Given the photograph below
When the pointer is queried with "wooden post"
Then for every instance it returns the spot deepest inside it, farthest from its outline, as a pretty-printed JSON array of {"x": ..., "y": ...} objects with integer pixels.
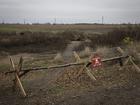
[
  {"x": 77, "y": 57},
  {"x": 20, "y": 85},
  {"x": 17, "y": 81},
  {"x": 137, "y": 68},
  {"x": 20, "y": 65},
  {"x": 126, "y": 61},
  {"x": 120, "y": 50},
  {"x": 12, "y": 64},
  {"x": 89, "y": 73}
]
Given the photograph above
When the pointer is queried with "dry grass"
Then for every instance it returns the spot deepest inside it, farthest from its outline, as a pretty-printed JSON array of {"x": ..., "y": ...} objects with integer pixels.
[
  {"x": 116, "y": 37},
  {"x": 58, "y": 58},
  {"x": 86, "y": 52},
  {"x": 31, "y": 41}
]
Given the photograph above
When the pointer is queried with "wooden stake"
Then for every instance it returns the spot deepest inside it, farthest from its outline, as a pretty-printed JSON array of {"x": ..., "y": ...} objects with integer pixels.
[
  {"x": 20, "y": 64},
  {"x": 126, "y": 61},
  {"x": 78, "y": 59},
  {"x": 20, "y": 86},
  {"x": 137, "y": 68},
  {"x": 90, "y": 74},
  {"x": 120, "y": 50},
  {"x": 12, "y": 64}
]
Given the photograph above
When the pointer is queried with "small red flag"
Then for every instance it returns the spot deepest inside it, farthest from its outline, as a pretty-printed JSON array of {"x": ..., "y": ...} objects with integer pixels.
[{"x": 96, "y": 61}]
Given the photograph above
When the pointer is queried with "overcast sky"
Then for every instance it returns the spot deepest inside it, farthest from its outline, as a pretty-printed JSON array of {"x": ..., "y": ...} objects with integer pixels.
[{"x": 68, "y": 11}]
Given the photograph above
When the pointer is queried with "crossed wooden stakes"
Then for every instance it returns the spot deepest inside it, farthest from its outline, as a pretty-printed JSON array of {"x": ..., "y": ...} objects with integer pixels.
[
  {"x": 122, "y": 64},
  {"x": 17, "y": 81},
  {"x": 129, "y": 59},
  {"x": 88, "y": 71}
]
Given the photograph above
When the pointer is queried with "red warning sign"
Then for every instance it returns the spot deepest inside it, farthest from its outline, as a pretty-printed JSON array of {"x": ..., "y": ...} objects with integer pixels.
[{"x": 96, "y": 61}]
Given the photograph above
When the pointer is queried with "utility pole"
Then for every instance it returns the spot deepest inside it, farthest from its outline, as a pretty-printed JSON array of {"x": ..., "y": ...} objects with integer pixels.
[
  {"x": 54, "y": 21},
  {"x": 24, "y": 21},
  {"x": 102, "y": 19},
  {"x": 3, "y": 21}
]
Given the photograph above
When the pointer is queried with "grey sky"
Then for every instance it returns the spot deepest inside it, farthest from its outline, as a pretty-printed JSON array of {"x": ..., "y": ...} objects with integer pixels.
[{"x": 67, "y": 11}]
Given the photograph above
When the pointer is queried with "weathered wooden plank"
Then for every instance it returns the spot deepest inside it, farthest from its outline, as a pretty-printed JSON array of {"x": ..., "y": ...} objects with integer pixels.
[{"x": 66, "y": 65}]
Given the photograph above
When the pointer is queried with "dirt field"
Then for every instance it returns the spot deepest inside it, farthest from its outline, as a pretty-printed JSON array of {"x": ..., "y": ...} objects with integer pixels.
[
  {"x": 114, "y": 86},
  {"x": 59, "y": 87}
]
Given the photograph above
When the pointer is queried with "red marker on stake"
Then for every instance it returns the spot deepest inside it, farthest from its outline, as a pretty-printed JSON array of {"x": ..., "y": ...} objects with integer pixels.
[{"x": 96, "y": 61}]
